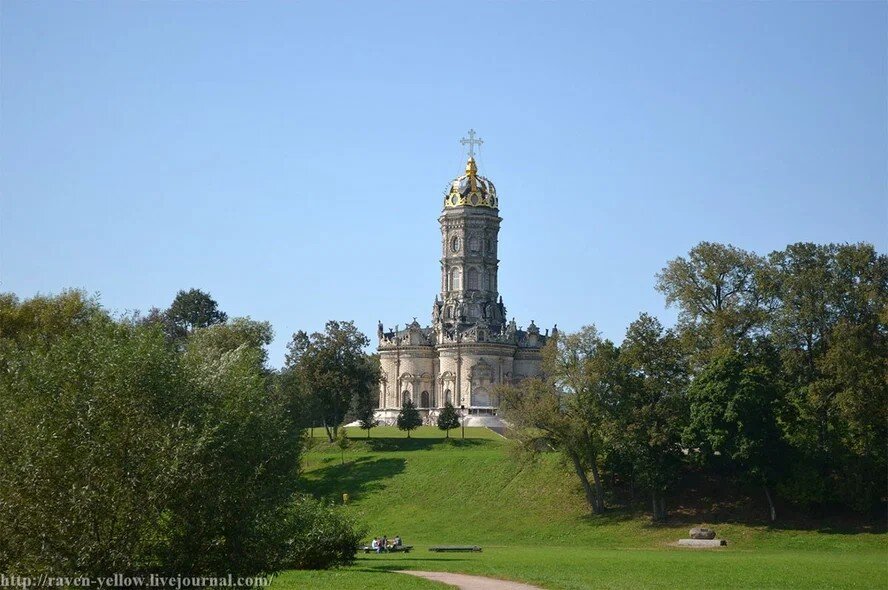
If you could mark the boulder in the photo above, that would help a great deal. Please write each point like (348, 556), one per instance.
(702, 533)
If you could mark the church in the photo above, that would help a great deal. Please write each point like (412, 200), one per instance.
(470, 347)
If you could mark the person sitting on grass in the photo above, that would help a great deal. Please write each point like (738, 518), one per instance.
(397, 541)
(384, 544)
(375, 544)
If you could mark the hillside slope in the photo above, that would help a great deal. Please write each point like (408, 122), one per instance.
(433, 491)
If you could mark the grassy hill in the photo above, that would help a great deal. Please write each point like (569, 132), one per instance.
(534, 526)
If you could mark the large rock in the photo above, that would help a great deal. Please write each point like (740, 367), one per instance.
(702, 533)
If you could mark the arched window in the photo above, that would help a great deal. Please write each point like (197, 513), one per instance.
(424, 399)
(447, 396)
(405, 395)
(454, 279)
(472, 278)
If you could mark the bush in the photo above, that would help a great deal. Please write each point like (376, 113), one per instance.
(318, 535)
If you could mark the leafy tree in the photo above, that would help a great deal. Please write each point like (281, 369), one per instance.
(343, 442)
(124, 453)
(194, 309)
(448, 419)
(543, 420)
(579, 366)
(828, 324)
(719, 298)
(734, 418)
(652, 412)
(409, 418)
(367, 419)
(366, 400)
(332, 369)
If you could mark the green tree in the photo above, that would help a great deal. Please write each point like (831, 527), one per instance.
(718, 294)
(125, 453)
(734, 418)
(829, 326)
(409, 418)
(580, 367)
(332, 369)
(343, 442)
(448, 419)
(542, 419)
(652, 411)
(194, 309)
(367, 400)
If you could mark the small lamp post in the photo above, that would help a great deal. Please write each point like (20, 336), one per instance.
(462, 410)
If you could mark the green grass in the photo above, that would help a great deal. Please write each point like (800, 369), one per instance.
(534, 526)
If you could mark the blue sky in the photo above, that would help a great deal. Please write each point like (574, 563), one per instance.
(290, 157)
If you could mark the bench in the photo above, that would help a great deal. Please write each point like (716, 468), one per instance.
(454, 548)
(398, 549)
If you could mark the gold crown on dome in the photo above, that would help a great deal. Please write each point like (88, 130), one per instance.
(471, 189)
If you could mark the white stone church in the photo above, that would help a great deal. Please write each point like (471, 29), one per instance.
(469, 347)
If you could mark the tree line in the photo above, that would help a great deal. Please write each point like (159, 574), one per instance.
(152, 444)
(775, 376)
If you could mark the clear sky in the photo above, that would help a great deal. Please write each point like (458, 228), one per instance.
(290, 158)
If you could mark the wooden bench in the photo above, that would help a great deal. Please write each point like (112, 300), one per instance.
(454, 548)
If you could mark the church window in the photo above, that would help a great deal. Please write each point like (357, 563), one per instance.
(447, 396)
(405, 395)
(475, 244)
(454, 279)
(454, 244)
(424, 399)
(473, 278)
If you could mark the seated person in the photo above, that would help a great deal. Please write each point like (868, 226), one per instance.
(375, 545)
(397, 541)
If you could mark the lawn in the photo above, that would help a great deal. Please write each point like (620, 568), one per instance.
(534, 527)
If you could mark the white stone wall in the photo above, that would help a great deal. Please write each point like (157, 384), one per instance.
(409, 371)
(469, 373)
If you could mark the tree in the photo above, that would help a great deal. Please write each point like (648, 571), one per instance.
(717, 291)
(332, 369)
(577, 365)
(343, 442)
(652, 412)
(366, 399)
(829, 325)
(733, 418)
(542, 419)
(448, 419)
(194, 309)
(409, 418)
(124, 453)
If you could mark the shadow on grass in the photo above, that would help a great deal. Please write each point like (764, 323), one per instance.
(404, 564)
(356, 478)
(419, 444)
(694, 514)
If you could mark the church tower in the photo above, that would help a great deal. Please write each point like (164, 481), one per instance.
(470, 347)
(469, 234)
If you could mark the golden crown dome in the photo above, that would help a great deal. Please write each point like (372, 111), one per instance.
(471, 190)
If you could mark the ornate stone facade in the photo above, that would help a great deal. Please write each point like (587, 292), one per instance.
(470, 347)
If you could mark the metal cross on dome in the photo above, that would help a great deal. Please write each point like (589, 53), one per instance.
(471, 142)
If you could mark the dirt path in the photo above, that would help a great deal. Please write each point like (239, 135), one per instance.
(465, 582)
